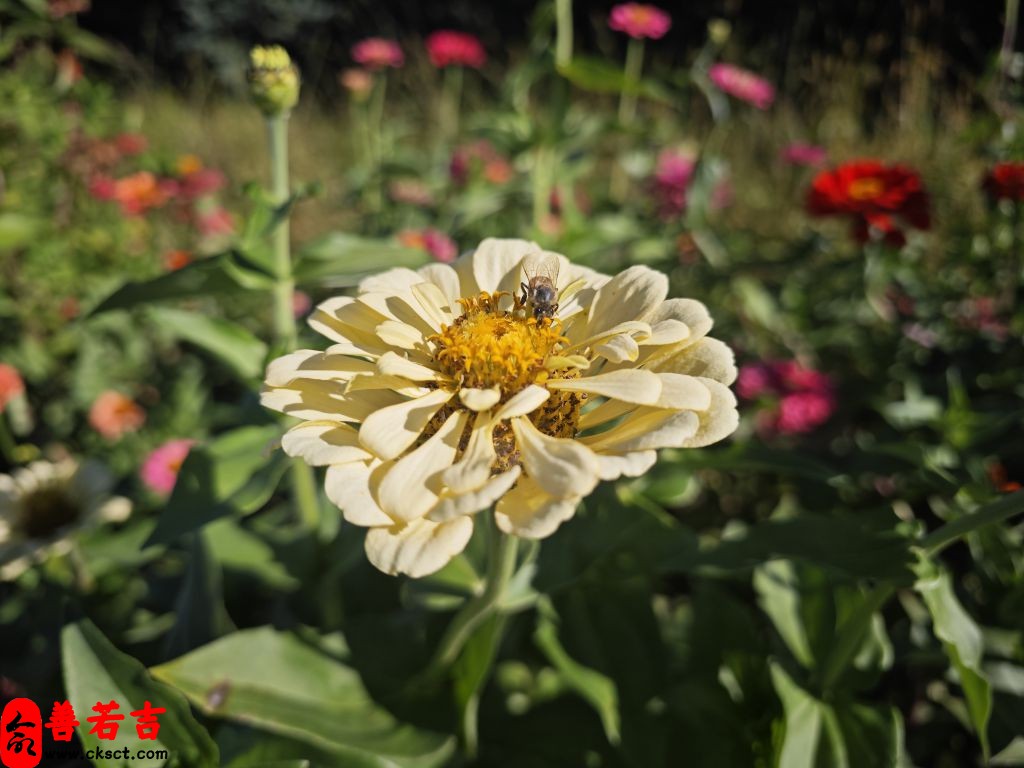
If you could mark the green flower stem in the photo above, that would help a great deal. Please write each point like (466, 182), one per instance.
(7, 445)
(374, 131)
(501, 563)
(634, 68)
(451, 103)
(543, 179)
(285, 333)
(563, 33)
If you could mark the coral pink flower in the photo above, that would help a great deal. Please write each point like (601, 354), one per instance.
(433, 241)
(639, 20)
(142, 191)
(378, 53)
(160, 469)
(799, 153)
(448, 48)
(216, 222)
(204, 181)
(103, 188)
(113, 415)
(131, 143)
(301, 304)
(11, 384)
(479, 157)
(176, 259)
(744, 85)
(356, 81)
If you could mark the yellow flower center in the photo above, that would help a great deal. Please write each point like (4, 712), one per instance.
(491, 347)
(506, 348)
(867, 188)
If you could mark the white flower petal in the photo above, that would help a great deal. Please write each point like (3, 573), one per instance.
(445, 278)
(669, 331)
(528, 512)
(395, 279)
(347, 486)
(719, 420)
(618, 349)
(683, 393)
(389, 431)
(320, 444)
(344, 320)
(562, 467)
(417, 548)
(689, 311)
(410, 487)
(631, 464)
(401, 306)
(434, 305)
(453, 505)
(523, 402)
(396, 384)
(479, 399)
(709, 358)
(310, 364)
(474, 467)
(630, 295)
(394, 364)
(116, 509)
(645, 429)
(325, 401)
(495, 265)
(401, 335)
(629, 384)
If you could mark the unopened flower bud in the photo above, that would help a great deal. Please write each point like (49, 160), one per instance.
(273, 79)
(719, 31)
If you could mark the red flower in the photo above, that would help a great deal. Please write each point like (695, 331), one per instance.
(378, 53)
(130, 143)
(447, 48)
(875, 196)
(1005, 181)
(11, 384)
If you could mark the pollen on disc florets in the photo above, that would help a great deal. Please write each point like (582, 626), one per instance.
(493, 347)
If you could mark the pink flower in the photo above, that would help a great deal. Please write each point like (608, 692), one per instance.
(113, 414)
(803, 411)
(447, 48)
(301, 304)
(433, 241)
(215, 222)
(411, 192)
(744, 85)
(131, 143)
(103, 188)
(639, 20)
(377, 53)
(356, 81)
(479, 157)
(204, 181)
(804, 154)
(798, 399)
(672, 175)
(11, 384)
(160, 469)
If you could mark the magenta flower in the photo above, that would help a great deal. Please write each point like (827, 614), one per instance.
(433, 241)
(639, 20)
(448, 48)
(377, 53)
(216, 222)
(800, 153)
(742, 84)
(795, 399)
(160, 469)
(672, 175)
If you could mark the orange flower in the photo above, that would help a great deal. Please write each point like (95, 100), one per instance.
(114, 414)
(142, 191)
(11, 384)
(176, 259)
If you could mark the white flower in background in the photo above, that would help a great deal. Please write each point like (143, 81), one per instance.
(443, 395)
(44, 504)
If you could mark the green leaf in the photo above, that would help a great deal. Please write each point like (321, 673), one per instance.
(599, 76)
(276, 682)
(778, 593)
(201, 615)
(229, 342)
(1012, 754)
(962, 640)
(597, 689)
(990, 514)
(215, 276)
(230, 474)
(804, 722)
(94, 670)
(238, 549)
(340, 259)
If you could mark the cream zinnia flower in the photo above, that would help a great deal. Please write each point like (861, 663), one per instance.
(442, 396)
(43, 504)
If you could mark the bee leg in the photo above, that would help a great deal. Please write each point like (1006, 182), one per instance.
(524, 287)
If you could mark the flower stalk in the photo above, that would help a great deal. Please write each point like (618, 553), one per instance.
(631, 82)
(501, 564)
(563, 33)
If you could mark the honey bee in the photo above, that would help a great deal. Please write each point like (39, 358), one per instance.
(540, 296)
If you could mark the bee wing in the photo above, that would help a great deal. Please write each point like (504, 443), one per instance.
(541, 265)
